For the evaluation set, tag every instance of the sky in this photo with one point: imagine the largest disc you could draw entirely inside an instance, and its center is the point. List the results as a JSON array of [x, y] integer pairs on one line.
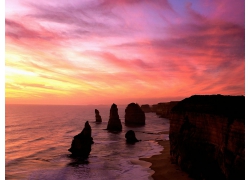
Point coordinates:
[[123, 51]]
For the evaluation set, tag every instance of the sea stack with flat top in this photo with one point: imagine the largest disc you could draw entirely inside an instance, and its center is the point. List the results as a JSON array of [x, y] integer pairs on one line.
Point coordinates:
[[81, 144], [114, 123], [134, 115], [98, 118]]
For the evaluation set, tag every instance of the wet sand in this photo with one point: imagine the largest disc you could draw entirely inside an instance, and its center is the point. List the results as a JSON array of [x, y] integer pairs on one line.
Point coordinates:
[[162, 166]]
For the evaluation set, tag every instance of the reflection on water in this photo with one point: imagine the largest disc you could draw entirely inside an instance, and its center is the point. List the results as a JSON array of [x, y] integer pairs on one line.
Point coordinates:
[[37, 140]]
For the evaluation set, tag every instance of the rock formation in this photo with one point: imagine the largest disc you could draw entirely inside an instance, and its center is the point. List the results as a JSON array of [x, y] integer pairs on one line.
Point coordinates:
[[134, 115], [81, 144], [114, 123], [146, 108], [163, 109], [207, 136], [98, 118], [130, 137]]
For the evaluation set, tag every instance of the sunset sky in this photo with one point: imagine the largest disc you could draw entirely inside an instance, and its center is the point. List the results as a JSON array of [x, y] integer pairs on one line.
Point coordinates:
[[122, 51]]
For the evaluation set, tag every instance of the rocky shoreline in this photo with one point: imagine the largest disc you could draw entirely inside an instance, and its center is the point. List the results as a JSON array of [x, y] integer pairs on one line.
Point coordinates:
[[162, 166], [207, 136]]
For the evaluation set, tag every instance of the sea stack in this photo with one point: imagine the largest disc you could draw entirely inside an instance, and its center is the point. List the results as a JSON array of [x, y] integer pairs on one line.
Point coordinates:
[[130, 137], [114, 123], [98, 118], [146, 108], [81, 144], [134, 115]]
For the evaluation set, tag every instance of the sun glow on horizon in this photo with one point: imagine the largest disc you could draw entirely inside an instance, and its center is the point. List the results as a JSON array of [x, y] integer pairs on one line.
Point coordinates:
[[102, 52]]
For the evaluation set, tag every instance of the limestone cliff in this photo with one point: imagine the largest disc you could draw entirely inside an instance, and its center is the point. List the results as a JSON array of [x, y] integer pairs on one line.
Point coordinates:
[[207, 136]]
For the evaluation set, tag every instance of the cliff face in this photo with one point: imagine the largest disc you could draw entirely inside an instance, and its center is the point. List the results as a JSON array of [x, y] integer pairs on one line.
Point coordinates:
[[207, 136]]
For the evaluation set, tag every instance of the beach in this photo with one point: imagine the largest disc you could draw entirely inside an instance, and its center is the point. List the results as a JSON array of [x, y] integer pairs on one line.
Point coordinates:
[[162, 166]]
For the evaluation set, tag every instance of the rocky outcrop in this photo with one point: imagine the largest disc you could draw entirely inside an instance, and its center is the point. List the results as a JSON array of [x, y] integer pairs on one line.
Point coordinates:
[[98, 118], [146, 108], [134, 115], [163, 109], [114, 123], [207, 136], [81, 144], [130, 137]]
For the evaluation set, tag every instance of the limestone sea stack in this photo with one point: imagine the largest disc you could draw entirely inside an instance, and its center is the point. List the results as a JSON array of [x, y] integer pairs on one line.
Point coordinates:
[[81, 144], [114, 123], [130, 137], [146, 108], [98, 118], [134, 115]]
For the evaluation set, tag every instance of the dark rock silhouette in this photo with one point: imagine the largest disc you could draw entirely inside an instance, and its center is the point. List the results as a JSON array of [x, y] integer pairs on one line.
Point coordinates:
[[98, 118], [130, 137], [207, 136], [81, 144], [134, 115], [146, 108], [114, 123], [163, 109]]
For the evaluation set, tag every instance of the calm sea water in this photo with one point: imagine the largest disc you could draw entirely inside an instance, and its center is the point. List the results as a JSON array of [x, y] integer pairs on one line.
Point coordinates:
[[37, 139]]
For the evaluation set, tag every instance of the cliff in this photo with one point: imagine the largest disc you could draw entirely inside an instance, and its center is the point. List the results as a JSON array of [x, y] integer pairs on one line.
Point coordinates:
[[207, 136]]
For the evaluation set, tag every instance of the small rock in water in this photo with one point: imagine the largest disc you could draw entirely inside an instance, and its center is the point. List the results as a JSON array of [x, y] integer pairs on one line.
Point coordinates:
[[130, 137]]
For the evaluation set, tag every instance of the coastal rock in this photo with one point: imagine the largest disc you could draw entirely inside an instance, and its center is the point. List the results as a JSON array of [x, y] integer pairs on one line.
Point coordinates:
[[130, 137], [98, 118], [163, 109], [134, 115], [207, 136], [146, 108], [81, 144], [114, 123]]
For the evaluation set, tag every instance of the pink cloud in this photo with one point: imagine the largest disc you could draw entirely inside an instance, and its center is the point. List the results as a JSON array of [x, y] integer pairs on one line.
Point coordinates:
[[120, 46]]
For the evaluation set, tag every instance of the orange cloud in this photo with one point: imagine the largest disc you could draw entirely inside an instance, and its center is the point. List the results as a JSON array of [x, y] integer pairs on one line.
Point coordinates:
[[102, 52]]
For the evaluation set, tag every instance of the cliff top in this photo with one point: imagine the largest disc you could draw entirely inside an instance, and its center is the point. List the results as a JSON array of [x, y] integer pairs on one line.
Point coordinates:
[[229, 106]]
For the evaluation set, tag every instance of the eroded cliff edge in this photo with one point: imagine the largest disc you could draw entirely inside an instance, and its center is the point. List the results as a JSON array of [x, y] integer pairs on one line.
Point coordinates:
[[207, 136]]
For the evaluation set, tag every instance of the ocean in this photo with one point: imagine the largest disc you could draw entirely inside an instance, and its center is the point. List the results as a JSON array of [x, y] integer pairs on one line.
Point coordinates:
[[37, 139]]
